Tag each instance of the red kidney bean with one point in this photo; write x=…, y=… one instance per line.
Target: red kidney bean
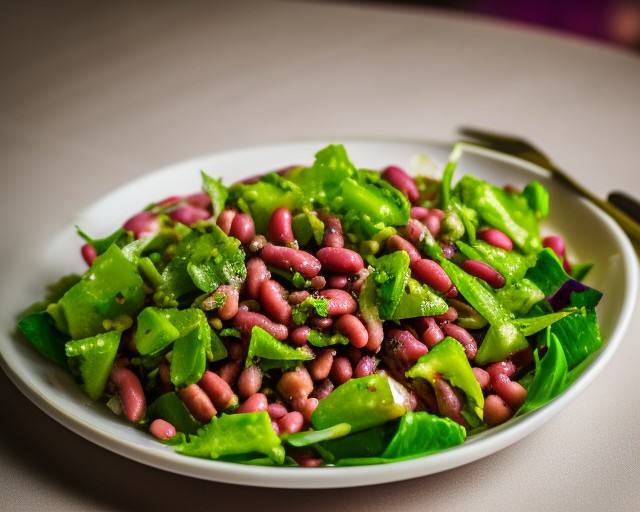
x=230, y=306
x=305, y=406
x=244, y=321
x=293, y=260
x=505, y=367
x=320, y=323
x=199, y=200
x=318, y=282
x=130, y=392
x=276, y=410
x=397, y=177
x=415, y=230
x=482, y=377
x=300, y=335
x=356, y=286
x=273, y=302
x=291, y=422
x=397, y=243
x=242, y=228
x=320, y=367
x=188, y=214
x=556, y=244
x=432, y=333
x=255, y=403
x=323, y=390
x=340, y=302
x=483, y=271
x=375, y=330
x=339, y=259
x=307, y=461
x=405, y=346
x=257, y=273
x=162, y=429
x=341, y=370
x=298, y=296
x=419, y=212
x=513, y=393
x=366, y=366
x=496, y=411
x=168, y=201
x=229, y=372
x=295, y=384
x=430, y=272
x=463, y=336
x=448, y=402
x=354, y=329
x=450, y=315
x=433, y=223
x=218, y=390
x=236, y=349
x=339, y=281
x=143, y=224
x=249, y=381
x=198, y=403
x=279, y=229
x=496, y=238
x=225, y=218
x=333, y=236
x=89, y=253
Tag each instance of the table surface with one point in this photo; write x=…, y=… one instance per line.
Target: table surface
x=94, y=94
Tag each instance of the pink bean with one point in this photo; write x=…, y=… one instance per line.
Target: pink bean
x=341, y=370
x=318, y=282
x=295, y=384
x=339, y=281
x=323, y=390
x=300, y=335
x=463, y=336
x=218, y=390
x=89, y=253
x=482, y=377
x=255, y=403
x=432, y=333
x=339, y=259
x=273, y=302
x=242, y=228
x=189, y=215
x=354, y=329
x=450, y=315
x=276, y=410
x=505, y=367
x=229, y=372
x=333, y=236
x=168, y=201
x=306, y=407
x=375, y=330
x=340, y=302
x=199, y=200
x=293, y=260
x=430, y=272
x=556, y=244
x=291, y=422
x=198, y=403
x=483, y=271
x=161, y=429
x=397, y=177
x=366, y=366
x=419, y=212
x=231, y=297
x=320, y=323
x=279, y=229
x=496, y=411
x=244, y=321
x=496, y=238
x=415, y=230
x=513, y=393
x=257, y=273
x=225, y=218
x=433, y=224
x=320, y=367
x=249, y=381
x=448, y=402
x=397, y=243
x=406, y=346
x=143, y=224
x=130, y=393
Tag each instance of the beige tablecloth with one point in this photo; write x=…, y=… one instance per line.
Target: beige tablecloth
x=94, y=94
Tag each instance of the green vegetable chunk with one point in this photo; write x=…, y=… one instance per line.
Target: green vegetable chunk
x=111, y=288
x=189, y=354
x=170, y=408
x=40, y=330
x=155, y=330
x=270, y=352
x=362, y=403
x=233, y=435
x=91, y=359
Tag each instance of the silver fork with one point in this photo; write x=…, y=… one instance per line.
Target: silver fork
x=621, y=207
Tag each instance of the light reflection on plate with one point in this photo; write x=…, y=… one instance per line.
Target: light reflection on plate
x=54, y=391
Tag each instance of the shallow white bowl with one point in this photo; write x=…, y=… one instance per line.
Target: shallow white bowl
x=590, y=235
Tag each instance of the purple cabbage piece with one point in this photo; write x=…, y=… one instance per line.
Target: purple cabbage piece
x=562, y=298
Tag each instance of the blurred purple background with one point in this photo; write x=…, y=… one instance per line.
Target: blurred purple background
x=614, y=21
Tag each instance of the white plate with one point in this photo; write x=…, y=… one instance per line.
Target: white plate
x=53, y=390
